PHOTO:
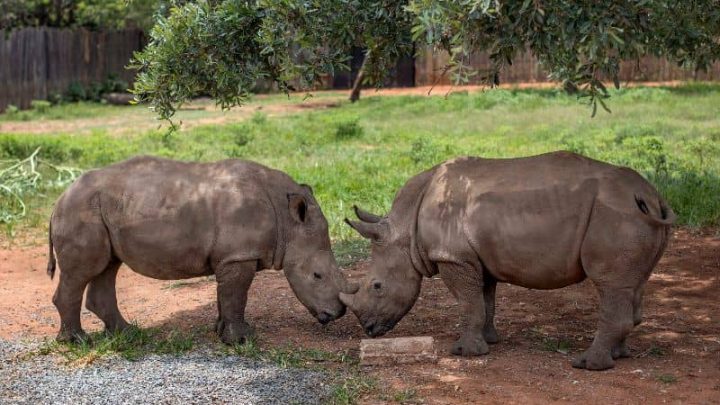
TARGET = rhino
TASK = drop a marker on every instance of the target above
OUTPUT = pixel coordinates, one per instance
(173, 220)
(540, 222)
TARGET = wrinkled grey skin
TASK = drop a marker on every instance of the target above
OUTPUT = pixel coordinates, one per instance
(173, 220)
(541, 222)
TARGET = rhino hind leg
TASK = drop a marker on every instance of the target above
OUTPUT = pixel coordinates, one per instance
(68, 300)
(489, 332)
(101, 299)
(616, 322)
(637, 304)
(81, 257)
(466, 284)
(234, 280)
(621, 350)
(619, 262)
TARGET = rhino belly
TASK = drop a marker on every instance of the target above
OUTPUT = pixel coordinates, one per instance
(531, 239)
(165, 243)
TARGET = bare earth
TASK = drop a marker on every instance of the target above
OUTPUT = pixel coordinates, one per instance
(676, 351)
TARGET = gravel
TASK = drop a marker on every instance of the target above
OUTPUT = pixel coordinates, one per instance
(197, 377)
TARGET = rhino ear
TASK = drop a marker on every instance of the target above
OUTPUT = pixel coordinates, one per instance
(366, 229)
(307, 188)
(297, 206)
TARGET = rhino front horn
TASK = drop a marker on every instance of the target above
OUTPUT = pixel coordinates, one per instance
(366, 216)
(366, 229)
(347, 299)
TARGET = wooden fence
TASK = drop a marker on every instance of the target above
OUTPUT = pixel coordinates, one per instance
(429, 67)
(38, 62)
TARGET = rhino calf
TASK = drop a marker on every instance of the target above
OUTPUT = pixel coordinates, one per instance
(173, 220)
(541, 222)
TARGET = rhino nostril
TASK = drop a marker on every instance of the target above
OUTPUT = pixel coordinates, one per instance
(369, 328)
(324, 317)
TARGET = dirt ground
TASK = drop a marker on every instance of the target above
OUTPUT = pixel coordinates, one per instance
(676, 351)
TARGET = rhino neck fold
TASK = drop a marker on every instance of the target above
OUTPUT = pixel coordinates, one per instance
(278, 253)
(415, 189)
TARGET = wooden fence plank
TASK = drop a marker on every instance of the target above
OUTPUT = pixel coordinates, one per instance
(38, 62)
(526, 69)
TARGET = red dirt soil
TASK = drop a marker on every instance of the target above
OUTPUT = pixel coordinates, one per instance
(676, 350)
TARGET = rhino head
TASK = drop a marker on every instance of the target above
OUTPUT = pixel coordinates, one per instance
(309, 264)
(392, 285)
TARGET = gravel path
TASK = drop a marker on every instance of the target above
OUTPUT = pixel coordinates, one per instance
(197, 377)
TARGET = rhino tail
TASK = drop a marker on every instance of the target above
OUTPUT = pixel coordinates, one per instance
(51, 254)
(661, 215)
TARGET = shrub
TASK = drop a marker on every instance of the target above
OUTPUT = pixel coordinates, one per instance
(40, 106)
(11, 110)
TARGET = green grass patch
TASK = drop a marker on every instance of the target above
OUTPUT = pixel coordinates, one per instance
(348, 389)
(405, 396)
(561, 346)
(66, 111)
(667, 378)
(131, 344)
(349, 384)
(361, 153)
(289, 356)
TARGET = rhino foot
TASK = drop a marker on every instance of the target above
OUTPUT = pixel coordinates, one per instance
(66, 336)
(470, 345)
(234, 333)
(491, 335)
(620, 351)
(594, 361)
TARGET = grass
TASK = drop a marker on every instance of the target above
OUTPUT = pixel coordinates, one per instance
(404, 396)
(667, 378)
(556, 345)
(363, 152)
(130, 344)
(348, 383)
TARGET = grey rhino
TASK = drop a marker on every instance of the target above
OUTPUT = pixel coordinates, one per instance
(540, 222)
(173, 220)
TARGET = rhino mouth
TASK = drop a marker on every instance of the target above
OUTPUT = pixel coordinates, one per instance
(325, 317)
(374, 329)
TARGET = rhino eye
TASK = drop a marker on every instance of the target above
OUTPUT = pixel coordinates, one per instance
(317, 276)
(377, 285)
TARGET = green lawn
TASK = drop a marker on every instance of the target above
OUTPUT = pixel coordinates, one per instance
(362, 153)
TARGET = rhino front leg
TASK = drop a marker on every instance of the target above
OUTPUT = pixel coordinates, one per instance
(466, 284)
(234, 281)
(489, 331)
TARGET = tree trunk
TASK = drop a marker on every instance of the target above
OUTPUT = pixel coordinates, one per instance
(357, 86)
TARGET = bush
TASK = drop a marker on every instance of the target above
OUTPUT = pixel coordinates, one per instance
(94, 91)
(11, 110)
(40, 106)
(75, 92)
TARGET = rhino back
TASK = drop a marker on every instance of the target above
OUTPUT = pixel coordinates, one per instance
(523, 219)
(169, 220)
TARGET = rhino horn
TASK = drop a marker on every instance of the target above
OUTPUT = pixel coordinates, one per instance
(366, 216)
(351, 287)
(347, 299)
(366, 229)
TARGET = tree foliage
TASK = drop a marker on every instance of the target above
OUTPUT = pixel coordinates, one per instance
(97, 14)
(222, 48)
